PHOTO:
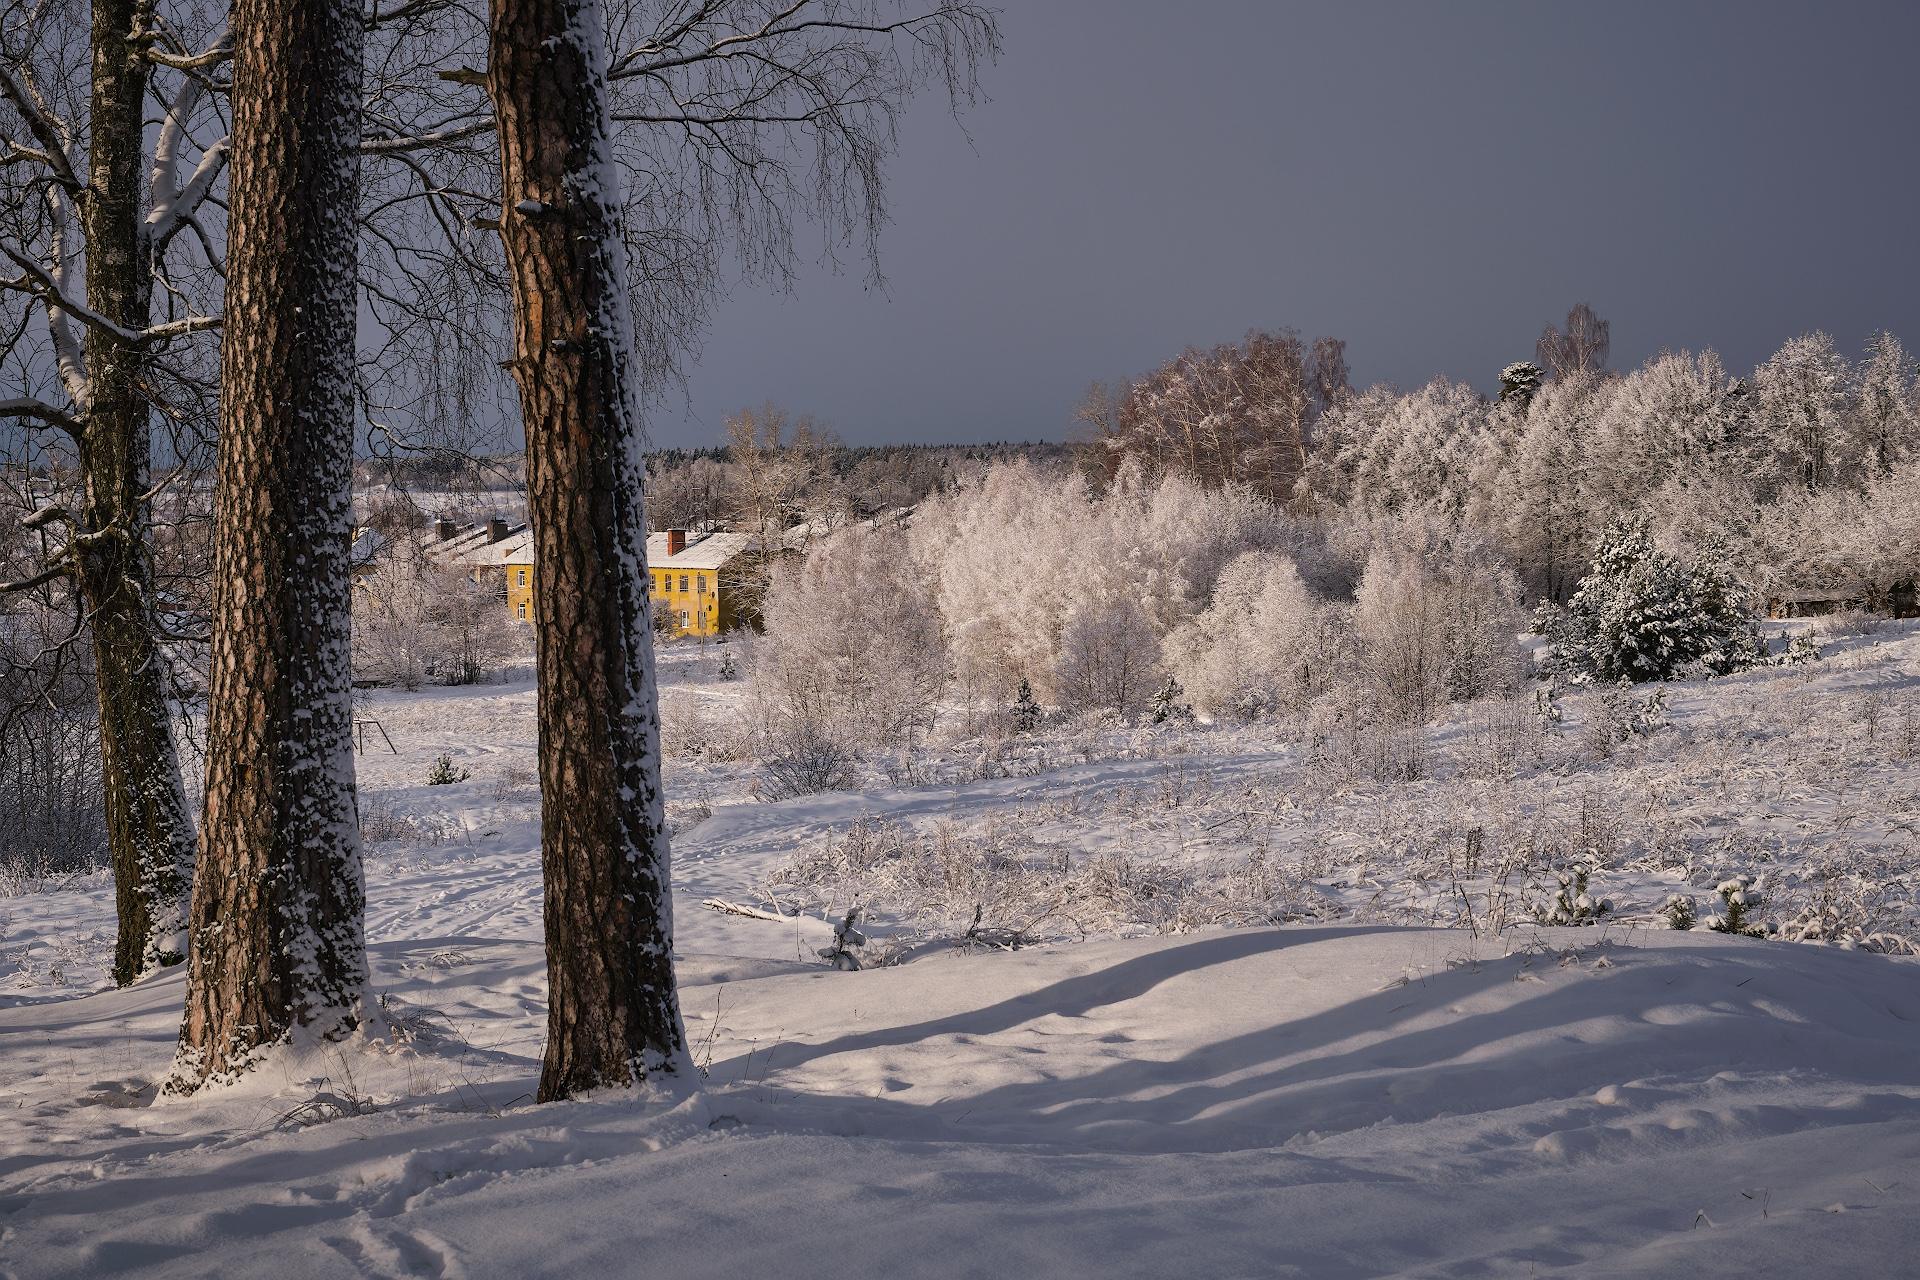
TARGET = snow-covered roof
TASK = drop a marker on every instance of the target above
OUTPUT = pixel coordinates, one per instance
(515, 548)
(802, 535)
(369, 545)
(450, 550)
(703, 550)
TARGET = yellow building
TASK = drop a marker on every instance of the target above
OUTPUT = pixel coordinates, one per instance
(688, 571)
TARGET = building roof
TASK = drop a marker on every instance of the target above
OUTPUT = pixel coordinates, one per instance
(515, 548)
(703, 550)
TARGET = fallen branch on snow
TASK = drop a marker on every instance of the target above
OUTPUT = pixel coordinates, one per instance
(739, 909)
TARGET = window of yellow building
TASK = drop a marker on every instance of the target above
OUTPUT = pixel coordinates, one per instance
(683, 582)
(520, 577)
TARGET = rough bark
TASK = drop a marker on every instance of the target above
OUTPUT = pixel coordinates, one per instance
(278, 943)
(613, 1015)
(149, 836)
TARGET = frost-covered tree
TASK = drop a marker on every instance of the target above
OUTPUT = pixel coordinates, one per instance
(393, 632)
(1437, 620)
(1337, 468)
(1381, 451)
(1235, 414)
(1669, 422)
(1862, 542)
(1008, 549)
(415, 621)
(278, 946)
(1887, 405)
(1534, 491)
(1803, 417)
(1109, 656)
(1024, 551)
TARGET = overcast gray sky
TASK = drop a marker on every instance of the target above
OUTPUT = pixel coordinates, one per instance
(1431, 181)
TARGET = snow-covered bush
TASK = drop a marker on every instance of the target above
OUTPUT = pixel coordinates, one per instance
(1167, 704)
(692, 728)
(515, 781)
(1024, 715)
(1641, 614)
(1616, 714)
(1501, 738)
(1851, 898)
(444, 772)
(841, 952)
(800, 757)
(1352, 735)
(1249, 655)
(1739, 898)
(992, 883)
(1680, 912)
(1574, 903)
(1801, 650)
(1848, 624)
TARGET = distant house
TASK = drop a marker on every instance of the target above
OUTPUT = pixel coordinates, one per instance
(1902, 600)
(485, 552)
(476, 549)
(691, 585)
(472, 548)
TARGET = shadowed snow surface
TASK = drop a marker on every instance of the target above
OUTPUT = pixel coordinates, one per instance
(1315, 1100)
(1312, 1101)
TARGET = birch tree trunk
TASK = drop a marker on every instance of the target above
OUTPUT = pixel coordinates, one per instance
(278, 942)
(149, 836)
(613, 1015)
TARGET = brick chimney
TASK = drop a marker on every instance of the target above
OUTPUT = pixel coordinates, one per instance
(676, 541)
(443, 529)
(496, 530)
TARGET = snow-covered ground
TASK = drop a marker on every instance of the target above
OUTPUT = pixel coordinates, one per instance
(1357, 1093)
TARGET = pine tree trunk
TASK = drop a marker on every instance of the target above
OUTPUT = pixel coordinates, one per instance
(149, 835)
(278, 942)
(613, 1016)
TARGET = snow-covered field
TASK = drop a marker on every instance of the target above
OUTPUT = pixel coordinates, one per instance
(1144, 1092)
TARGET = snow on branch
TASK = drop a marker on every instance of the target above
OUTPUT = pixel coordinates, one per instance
(426, 141)
(39, 411)
(173, 202)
